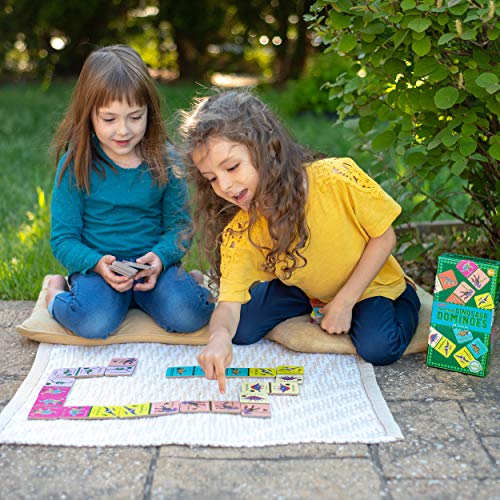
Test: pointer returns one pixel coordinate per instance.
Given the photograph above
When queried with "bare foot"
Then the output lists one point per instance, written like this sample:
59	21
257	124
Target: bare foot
56	284
198	276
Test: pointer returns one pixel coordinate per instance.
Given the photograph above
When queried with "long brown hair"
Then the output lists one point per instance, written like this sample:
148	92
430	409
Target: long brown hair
113	73
241	117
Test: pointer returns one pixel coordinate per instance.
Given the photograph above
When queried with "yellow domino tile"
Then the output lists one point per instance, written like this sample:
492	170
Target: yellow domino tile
104	412
445	347
134	411
262	372
463	357
290	370
484	301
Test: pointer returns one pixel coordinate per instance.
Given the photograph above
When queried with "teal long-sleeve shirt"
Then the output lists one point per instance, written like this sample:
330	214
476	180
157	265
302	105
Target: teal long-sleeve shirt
125	215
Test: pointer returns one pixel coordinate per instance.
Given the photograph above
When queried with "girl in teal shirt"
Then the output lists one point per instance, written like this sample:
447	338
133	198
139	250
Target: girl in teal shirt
117	197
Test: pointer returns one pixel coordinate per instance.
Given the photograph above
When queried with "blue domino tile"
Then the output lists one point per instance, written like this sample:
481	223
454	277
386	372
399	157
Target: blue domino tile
198	372
180	371
477	348
236	372
462	335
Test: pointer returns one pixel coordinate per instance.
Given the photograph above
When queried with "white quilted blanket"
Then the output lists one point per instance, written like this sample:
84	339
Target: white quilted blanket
340	401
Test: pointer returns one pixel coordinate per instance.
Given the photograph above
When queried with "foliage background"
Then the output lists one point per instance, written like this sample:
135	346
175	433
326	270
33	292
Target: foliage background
425	88
408	88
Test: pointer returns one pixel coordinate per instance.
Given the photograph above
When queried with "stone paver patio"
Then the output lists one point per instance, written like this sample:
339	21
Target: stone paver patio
451	448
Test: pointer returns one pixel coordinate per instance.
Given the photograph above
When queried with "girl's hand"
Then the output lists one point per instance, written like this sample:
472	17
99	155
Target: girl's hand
337	316
216	357
150	276
115	281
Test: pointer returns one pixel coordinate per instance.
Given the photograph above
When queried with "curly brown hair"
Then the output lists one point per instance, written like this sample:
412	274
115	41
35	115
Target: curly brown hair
112	73
241	117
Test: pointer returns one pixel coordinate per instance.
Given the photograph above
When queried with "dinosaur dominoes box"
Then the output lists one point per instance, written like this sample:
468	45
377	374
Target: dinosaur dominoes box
466	296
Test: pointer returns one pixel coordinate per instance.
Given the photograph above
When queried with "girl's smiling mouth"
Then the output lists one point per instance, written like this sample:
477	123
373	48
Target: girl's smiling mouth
239	197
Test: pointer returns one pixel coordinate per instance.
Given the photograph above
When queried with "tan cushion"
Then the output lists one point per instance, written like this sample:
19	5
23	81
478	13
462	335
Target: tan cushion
137	327
296	333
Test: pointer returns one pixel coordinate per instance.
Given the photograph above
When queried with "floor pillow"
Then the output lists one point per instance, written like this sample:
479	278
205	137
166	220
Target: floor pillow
297	333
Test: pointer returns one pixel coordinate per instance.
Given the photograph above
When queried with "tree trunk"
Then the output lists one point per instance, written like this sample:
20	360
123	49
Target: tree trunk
298	56
189	59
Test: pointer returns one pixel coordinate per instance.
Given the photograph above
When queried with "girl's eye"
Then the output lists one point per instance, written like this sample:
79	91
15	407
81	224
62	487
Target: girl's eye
233	167
211	180
108	120
137	117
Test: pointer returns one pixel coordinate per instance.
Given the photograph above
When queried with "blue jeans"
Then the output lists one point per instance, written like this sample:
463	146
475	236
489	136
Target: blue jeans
94	310
381	328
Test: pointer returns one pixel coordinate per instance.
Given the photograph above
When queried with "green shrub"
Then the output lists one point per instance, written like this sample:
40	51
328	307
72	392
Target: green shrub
426	89
307	94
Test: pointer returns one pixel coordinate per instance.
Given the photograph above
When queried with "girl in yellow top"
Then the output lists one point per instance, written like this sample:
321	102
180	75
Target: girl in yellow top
282	227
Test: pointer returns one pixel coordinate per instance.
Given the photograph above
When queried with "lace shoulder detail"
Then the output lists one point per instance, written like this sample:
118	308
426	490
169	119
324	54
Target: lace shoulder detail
235	230
232	235
329	171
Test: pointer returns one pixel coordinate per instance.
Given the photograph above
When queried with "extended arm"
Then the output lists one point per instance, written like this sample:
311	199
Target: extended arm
218	353
338	312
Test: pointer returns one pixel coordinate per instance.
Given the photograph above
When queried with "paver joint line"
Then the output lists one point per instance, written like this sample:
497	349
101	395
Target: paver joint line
151	472
479	436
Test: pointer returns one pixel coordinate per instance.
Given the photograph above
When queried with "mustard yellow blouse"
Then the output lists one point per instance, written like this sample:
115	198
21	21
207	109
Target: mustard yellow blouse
345	208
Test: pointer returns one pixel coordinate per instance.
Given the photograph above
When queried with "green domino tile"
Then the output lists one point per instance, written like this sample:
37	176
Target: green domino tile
465	302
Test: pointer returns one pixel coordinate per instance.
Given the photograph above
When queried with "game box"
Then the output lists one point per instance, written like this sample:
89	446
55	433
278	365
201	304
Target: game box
466	296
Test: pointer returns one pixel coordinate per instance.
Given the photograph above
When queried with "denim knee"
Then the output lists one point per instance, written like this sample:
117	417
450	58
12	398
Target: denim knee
378	352
246	334
178	303
179	314
96	324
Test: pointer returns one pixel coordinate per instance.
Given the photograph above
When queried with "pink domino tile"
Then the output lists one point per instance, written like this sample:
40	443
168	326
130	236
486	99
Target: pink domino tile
59	382
466	267
91	371
164	408
41	412
260	410
48	400
195	407
75	412
479	279
118	371
464	292
123	362
54	391
232	407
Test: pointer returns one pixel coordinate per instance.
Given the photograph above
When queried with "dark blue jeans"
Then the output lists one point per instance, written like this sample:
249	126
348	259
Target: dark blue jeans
381	328
93	309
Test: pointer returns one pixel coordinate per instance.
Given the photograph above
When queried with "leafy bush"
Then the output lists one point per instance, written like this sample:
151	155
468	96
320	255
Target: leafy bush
426	88
307	94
